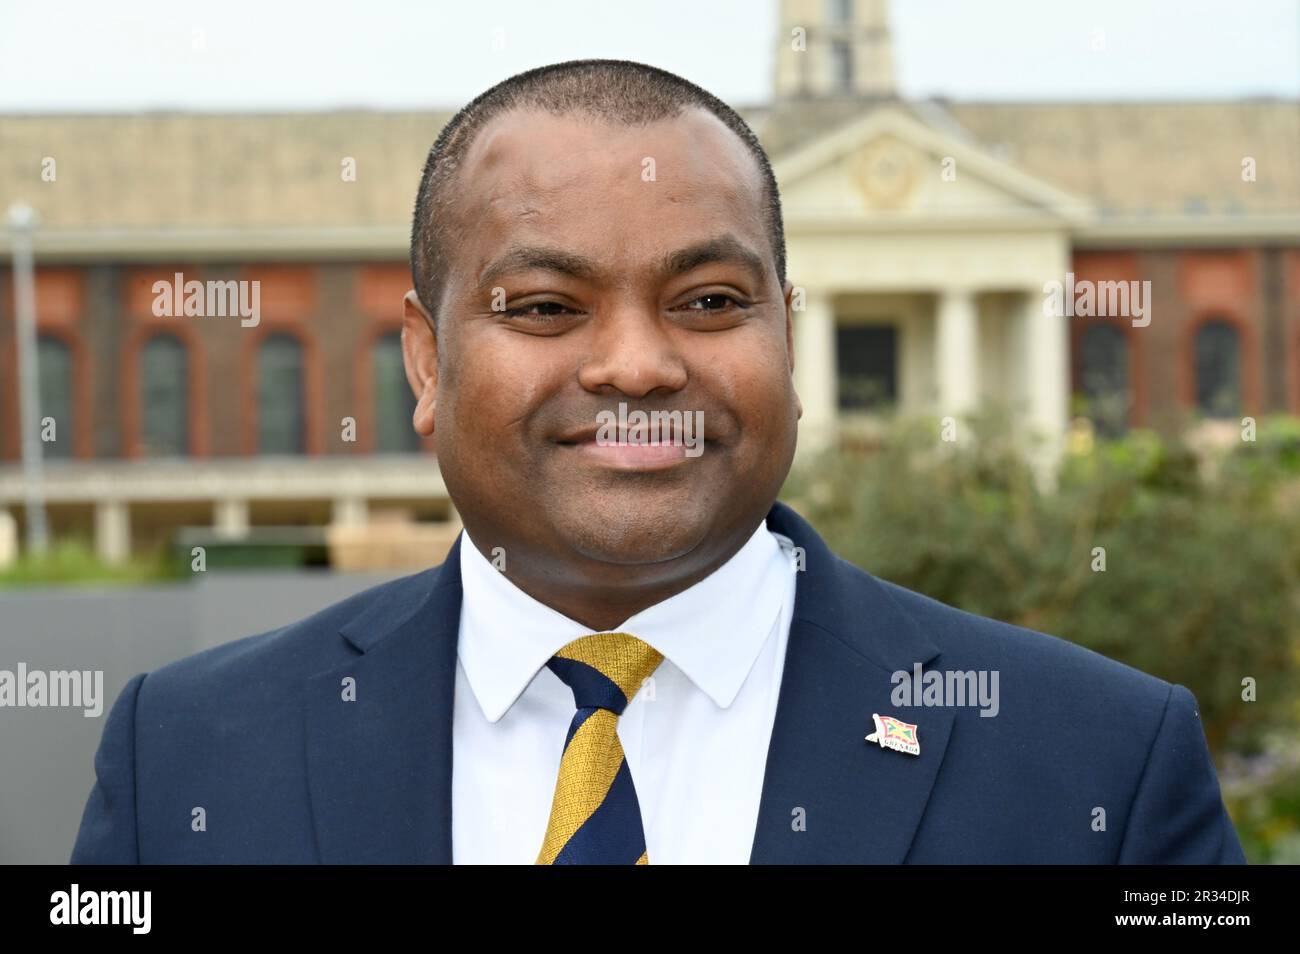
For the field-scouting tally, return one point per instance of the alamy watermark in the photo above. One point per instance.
(210, 299)
(75, 906)
(56, 689)
(939, 688)
(654, 427)
(1089, 299)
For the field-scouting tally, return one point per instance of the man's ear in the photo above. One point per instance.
(789, 323)
(420, 355)
(789, 341)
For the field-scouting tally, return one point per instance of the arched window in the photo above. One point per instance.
(280, 417)
(1103, 377)
(394, 401)
(54, 368)
(1217, 369)
(164, 404)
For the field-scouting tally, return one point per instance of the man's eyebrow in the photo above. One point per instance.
(521, 257)
(726, 249)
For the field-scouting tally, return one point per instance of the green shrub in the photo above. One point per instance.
(73, 561)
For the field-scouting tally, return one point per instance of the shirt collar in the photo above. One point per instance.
(712, 631)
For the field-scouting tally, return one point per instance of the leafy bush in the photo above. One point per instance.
(73, 561)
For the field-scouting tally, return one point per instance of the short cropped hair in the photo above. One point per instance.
(615, 91)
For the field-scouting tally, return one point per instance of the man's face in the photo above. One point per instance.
(634, 266)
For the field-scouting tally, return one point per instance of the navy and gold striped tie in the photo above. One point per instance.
(595, 816)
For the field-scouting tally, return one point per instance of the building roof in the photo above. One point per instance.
(1141, 159)
(283, 171)
(158, 170)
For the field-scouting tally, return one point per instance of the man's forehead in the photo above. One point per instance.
(525, 152)
(535, 179)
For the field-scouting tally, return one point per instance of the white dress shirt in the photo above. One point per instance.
(695, 735)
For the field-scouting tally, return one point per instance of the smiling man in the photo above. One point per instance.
(633, 654)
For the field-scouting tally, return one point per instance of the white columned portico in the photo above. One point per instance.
(815, 376)
(956, 359)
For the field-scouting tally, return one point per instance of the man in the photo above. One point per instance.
(632, 654)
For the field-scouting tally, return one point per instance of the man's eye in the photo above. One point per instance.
(720, 302)
(549, 311)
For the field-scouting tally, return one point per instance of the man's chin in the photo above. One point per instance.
(628, 530)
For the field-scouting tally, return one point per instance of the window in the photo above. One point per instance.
(841, 66)
(1103, 381)
(839, 12)
(280, 395)
(164, 405)
(866, 361)
(54, 368)
(1217, 368)
(394, 401)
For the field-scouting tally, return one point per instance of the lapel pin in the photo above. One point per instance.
(893, 734)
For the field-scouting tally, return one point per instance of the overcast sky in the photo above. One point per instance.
(92, 55)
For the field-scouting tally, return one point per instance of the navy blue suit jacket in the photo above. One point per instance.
(257, 734)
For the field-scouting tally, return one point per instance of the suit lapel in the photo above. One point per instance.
(379, 768)
(828, 795)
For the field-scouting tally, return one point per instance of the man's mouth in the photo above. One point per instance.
(626, 450)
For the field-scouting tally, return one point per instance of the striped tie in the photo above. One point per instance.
(595, 817)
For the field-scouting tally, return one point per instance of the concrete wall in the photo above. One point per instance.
(47, 754)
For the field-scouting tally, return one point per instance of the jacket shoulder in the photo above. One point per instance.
(286, 655)
(1031, 659)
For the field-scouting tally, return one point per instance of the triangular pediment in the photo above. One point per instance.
(891, 169)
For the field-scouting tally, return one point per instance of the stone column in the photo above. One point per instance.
(349, 511)
(815, 374)
(956, 358)
(1046, 353)
(8, 539)
(112, 531)
(230, 519)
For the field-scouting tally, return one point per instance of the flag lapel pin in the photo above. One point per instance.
(893, 734)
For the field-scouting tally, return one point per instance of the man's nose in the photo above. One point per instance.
(634, 351)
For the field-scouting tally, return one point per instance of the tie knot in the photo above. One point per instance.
(604, 670)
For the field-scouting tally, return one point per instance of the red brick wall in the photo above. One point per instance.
(1189, 287)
